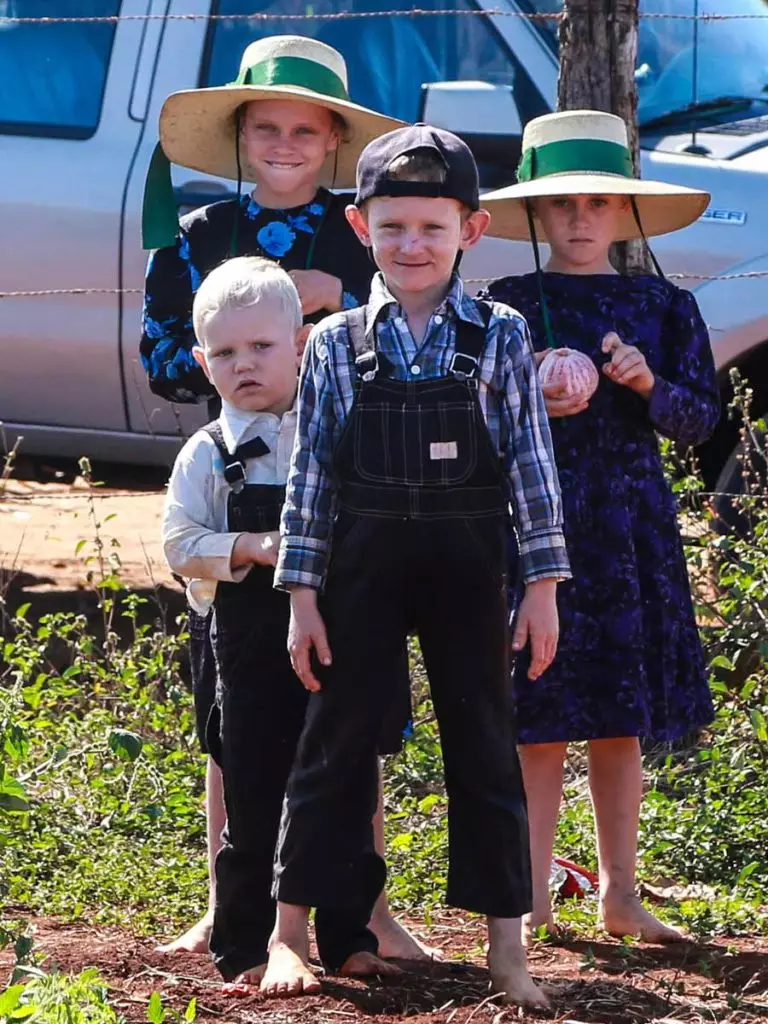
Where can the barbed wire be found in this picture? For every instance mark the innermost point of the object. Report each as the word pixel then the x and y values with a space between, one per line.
pixel 45 493
pixel 50 496
pixel 44 293
pixel 414 12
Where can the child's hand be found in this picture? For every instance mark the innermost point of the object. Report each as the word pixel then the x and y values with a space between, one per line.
pixel 305 632
pixel 317 290
pixel 302 336
pixel 537 622
pixel 557 402
pixel 627 366
pixel 256 549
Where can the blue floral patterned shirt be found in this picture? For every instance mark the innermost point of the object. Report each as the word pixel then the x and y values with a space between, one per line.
pixel 314 236
pixel 508 382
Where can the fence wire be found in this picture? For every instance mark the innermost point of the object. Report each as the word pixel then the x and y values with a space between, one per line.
pixel 44 293
pixel 414 12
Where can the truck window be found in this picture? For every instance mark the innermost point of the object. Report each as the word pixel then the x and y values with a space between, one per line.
pixel 54 74
pixel 388 58
pixel 731 54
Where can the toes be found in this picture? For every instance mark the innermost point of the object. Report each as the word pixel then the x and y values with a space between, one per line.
pixel 236 988
pixel 300 983
pixel 311 985
pixel 528 997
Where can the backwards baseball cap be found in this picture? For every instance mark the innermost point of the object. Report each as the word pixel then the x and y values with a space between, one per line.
pixel 461 179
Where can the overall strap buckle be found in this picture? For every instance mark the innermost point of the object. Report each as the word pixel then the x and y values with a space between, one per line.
pixel 367 361
pixel 464 366
pixel 234 464
pixel 367 365
pixel 234 474
pixel 470 342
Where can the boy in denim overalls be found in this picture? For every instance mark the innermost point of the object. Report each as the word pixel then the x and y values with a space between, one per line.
pixel 420 419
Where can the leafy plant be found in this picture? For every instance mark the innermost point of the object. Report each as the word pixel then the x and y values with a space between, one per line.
pixel 58 999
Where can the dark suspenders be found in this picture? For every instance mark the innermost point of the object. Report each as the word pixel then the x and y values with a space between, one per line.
pixel 234 462
pixel 470 341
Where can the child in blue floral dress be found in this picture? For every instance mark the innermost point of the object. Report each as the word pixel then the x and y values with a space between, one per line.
pixel 629 662
pixel 287 124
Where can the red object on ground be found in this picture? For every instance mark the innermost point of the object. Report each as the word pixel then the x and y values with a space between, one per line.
pixel 578 881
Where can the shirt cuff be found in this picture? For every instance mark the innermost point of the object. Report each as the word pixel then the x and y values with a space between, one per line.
pixel 301 563
pixel 206 557
pixel 544 556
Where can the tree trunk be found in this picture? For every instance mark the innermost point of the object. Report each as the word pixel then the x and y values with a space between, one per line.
pixel 598 55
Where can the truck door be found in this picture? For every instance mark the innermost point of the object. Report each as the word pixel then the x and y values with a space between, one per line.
pixel 66 139
pixel 177 66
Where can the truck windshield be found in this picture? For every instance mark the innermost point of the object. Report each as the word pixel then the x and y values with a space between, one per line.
pixel 388 58
pixel 732 53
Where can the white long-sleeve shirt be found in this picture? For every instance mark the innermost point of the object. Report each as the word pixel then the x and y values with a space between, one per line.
pixel 196 539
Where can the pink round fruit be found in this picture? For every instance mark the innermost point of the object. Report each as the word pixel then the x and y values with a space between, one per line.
pixel 572 370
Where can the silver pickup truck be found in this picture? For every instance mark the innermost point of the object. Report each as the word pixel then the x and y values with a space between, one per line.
pixel 79 106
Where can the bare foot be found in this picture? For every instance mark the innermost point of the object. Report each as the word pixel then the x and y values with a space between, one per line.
pixel 193 941
pixel 625 915
pixel 244 983
pixel 508 966
pixel 253 976
pixel 397 943
pixel 532 925
pixel 288 974
pixel 363 965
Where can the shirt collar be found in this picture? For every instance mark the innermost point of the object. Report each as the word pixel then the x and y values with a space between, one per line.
pixel 456 299
pixel 236 423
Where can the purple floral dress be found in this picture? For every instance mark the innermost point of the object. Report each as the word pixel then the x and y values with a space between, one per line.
pixel 630 661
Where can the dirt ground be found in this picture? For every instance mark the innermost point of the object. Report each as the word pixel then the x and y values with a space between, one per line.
pixel 42 524
pixel 48 541
pixel 596 982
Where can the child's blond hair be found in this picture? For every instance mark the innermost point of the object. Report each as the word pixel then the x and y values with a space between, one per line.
pixel 242 282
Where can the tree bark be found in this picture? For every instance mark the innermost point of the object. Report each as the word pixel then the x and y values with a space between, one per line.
pixel 598 55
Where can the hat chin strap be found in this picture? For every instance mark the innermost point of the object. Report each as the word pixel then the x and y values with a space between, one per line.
pixel 540 276
pixel 234 237
pixel 636 215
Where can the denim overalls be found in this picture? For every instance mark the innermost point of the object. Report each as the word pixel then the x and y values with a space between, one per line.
pixel 419 542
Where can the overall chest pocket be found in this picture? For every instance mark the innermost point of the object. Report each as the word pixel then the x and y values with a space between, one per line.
pixel 434 446
pixel 249 517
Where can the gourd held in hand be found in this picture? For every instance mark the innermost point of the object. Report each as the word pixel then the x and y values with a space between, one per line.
pixel 573 373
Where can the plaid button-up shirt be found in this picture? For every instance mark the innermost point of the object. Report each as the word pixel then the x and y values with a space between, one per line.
pixel 507 378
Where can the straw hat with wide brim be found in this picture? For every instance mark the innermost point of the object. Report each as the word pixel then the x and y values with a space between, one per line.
pixel 197 126
pixel 586 152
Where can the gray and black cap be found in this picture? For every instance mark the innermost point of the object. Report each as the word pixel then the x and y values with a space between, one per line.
pixel 461 180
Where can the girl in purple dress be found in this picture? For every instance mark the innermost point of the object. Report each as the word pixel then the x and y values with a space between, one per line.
pixel 630 662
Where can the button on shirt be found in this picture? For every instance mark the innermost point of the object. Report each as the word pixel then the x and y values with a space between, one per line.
pixel 196 541
pixel 507 379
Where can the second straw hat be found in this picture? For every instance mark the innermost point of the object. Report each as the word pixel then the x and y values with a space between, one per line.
pixel 586 152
